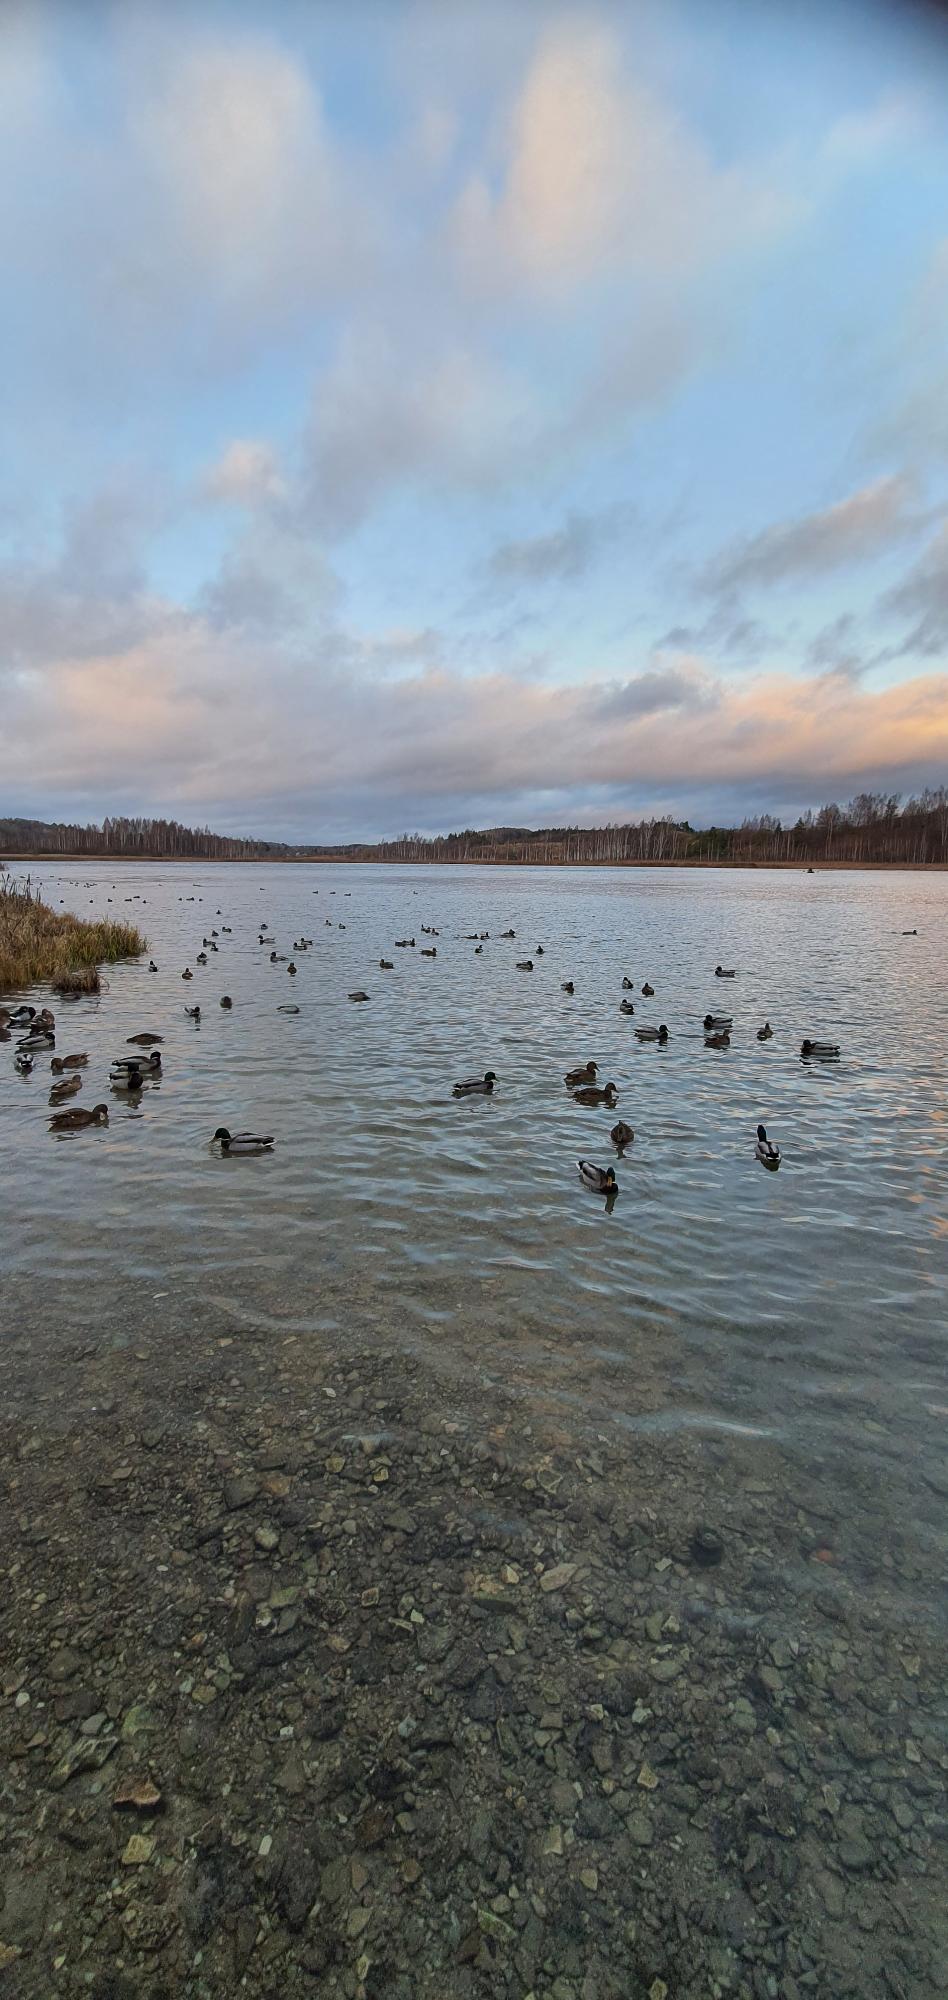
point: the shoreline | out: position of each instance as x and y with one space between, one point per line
368 860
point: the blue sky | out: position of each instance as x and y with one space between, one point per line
421 416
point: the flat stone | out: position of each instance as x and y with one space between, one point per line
64 1664
267 1537
137 1851
25 1901
855 1854
559 1577
640 1830
240 1491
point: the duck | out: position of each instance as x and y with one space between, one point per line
767 1153
628 985
508 934
36 1043
652 1034
45 1018
626 1007
187 973
567 986
21 1015
718 1021
622 1134
429 930
130 1080
824 1049
648 990
719 1041
201 958
720 973
242 1142
404 944
358 996
386 965
278 958
146 1040
226 1000
66 1087
193 1013
538 952
67 1062
288 1008
765 1034
227 929
291 969
910 933
76 1119
583 1073
601 1179
524 965
594 1093
476 1086
150 1064
478 948
23 1062
432 953
152 967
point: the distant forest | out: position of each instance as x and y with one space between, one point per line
873 827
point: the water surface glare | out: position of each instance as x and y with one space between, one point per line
805 1307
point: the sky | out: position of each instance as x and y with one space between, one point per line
419 416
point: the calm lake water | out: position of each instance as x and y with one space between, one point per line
806 1307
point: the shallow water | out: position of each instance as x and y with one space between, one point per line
803 1309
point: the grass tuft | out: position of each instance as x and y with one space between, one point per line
37 943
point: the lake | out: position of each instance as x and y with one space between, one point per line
762 1351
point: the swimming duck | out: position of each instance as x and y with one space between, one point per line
477 948
34 1044
721 1041
45 1018
718 1021
626 1007
538 953
767 1153
187 973
151 1064
432 953
583 1073
226 1000
201 958
291 969
404 943
146 1040
227 928
277 958
287 1008
652 1034
193 1013
648 990
506 934
358 996
22 1014
627 983
720 973
130 1080
67 1062
524 965
825 1049
242 1142
567 986
476 1086
910 933
76 1119
66 1087
601 1179
429 930
593 1093
152 967
23 1062
622 1135
386 965
765 1034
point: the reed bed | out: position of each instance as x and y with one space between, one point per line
37 943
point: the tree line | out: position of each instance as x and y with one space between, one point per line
872 827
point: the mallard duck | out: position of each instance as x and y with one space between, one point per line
152 967
721 1041
386 965
67 1062
45 1019
358 996
720 973
622 1135
187 973
21 1015
628 985
432 953
291 969
36 1044
626 1007
193 1013
583 1073
476 1086
242 1142
652 1034
601 1179
130 1080
765 1033
226 1000
144 1041
827 1050
67 1087
567 986
767 1153
23 1062
151 1063
76 1119
718 1021
524 965
593 1093
648 990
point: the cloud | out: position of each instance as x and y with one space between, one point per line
923 597
560 555
246 474
851 531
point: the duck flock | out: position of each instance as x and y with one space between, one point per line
35 1030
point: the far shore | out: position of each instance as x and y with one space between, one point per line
363 860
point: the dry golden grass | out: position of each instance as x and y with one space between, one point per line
37 943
